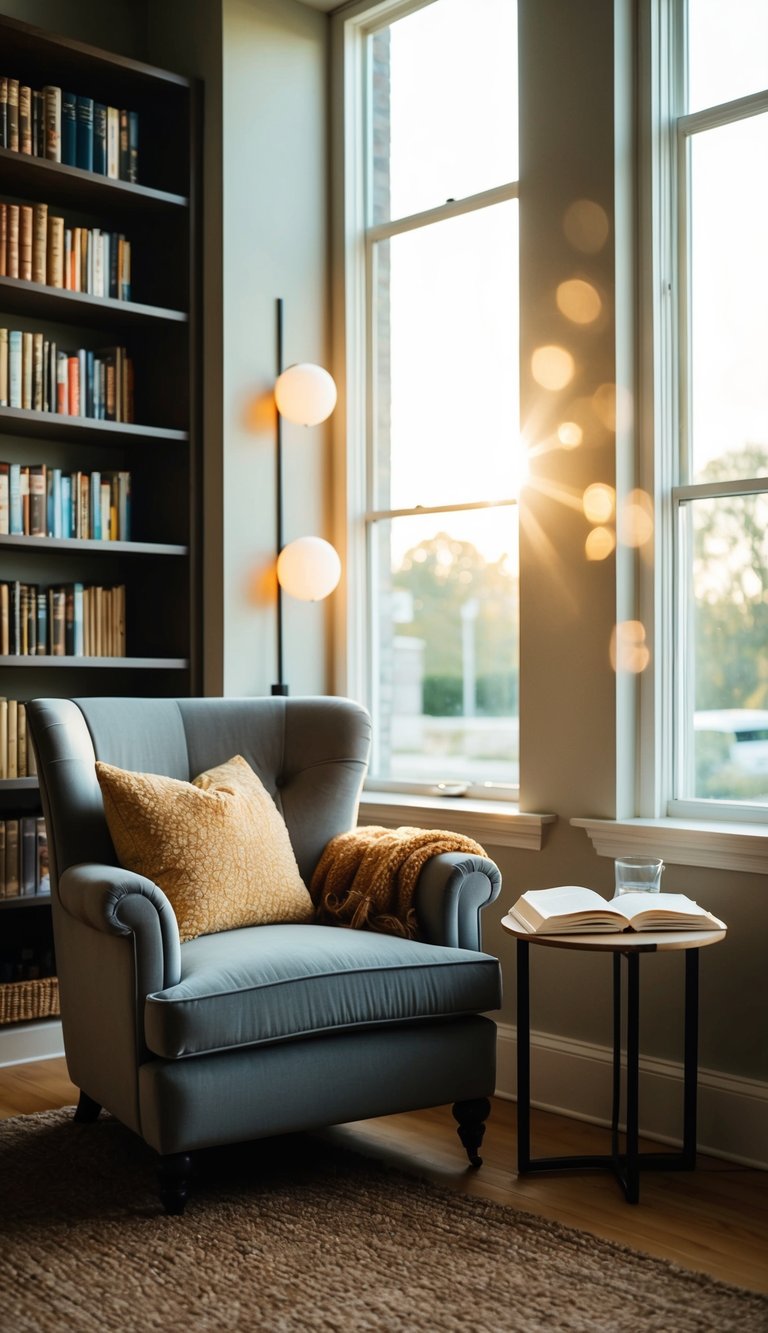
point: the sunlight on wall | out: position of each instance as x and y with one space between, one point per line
600 543
552 367
586 226
579 301
599 502
628 650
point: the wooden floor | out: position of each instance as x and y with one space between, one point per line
713 1220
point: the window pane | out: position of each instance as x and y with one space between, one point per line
728 50
446 362
445 647
444 105
729 299
728 576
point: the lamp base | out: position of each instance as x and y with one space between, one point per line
280 689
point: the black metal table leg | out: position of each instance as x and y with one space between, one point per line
691 1058
632 1181
625 1165
523 1059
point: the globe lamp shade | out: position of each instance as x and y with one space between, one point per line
308 568
305 394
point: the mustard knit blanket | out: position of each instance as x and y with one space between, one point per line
366 879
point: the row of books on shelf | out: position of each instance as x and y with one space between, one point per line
67 127
37 246
24 857
67 620
36 375
17 757
41 501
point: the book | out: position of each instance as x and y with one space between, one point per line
69 129
572 909
26 219
43 884
3 111
52 106
28 854
40 243
25 118
100 138
13 114
12 241
3 238
11 857
85 133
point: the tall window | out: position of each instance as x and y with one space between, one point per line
720 499
435 243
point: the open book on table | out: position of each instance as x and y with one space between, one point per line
572 909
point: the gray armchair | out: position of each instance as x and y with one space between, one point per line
266 1029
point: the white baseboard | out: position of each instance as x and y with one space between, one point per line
574 1079
20 1043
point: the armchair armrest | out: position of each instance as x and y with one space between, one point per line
119 902
451 891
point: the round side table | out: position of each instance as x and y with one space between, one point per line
628 945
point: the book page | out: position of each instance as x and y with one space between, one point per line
632 904
567 898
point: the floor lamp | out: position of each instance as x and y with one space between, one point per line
309 567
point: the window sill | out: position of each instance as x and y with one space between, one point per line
495 823
683 842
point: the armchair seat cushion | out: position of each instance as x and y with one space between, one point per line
273 983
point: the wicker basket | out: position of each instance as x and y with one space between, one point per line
22 1000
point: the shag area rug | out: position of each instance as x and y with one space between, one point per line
296 1234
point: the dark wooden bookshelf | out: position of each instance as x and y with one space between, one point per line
159 215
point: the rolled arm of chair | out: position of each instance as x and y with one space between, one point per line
451 892
119 902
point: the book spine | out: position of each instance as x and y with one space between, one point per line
14 367
113 143
26 219
13 115
4 368
3 238
23 746
52 104
43 879
123 151
12 243
40 243
38 123
100 138
3 111
55 264
37 372
85 133
133 147
26 369
5 619
14 500
62 394
69 129
13 739
11 858
28 867
4 500
37 500
42 623
3 738
25 119
24 494
73 386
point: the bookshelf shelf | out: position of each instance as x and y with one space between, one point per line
74 188
26 900
158 216
19 297
31 663
81 546
83 430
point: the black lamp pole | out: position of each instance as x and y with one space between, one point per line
280 687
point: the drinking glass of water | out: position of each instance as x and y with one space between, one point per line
638 874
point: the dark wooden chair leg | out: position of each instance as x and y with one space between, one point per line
87 1109
174 1172
471 1118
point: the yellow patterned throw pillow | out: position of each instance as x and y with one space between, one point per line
217 847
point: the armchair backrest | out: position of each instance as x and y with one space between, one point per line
310 753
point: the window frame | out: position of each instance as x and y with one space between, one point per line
355 239
665 374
